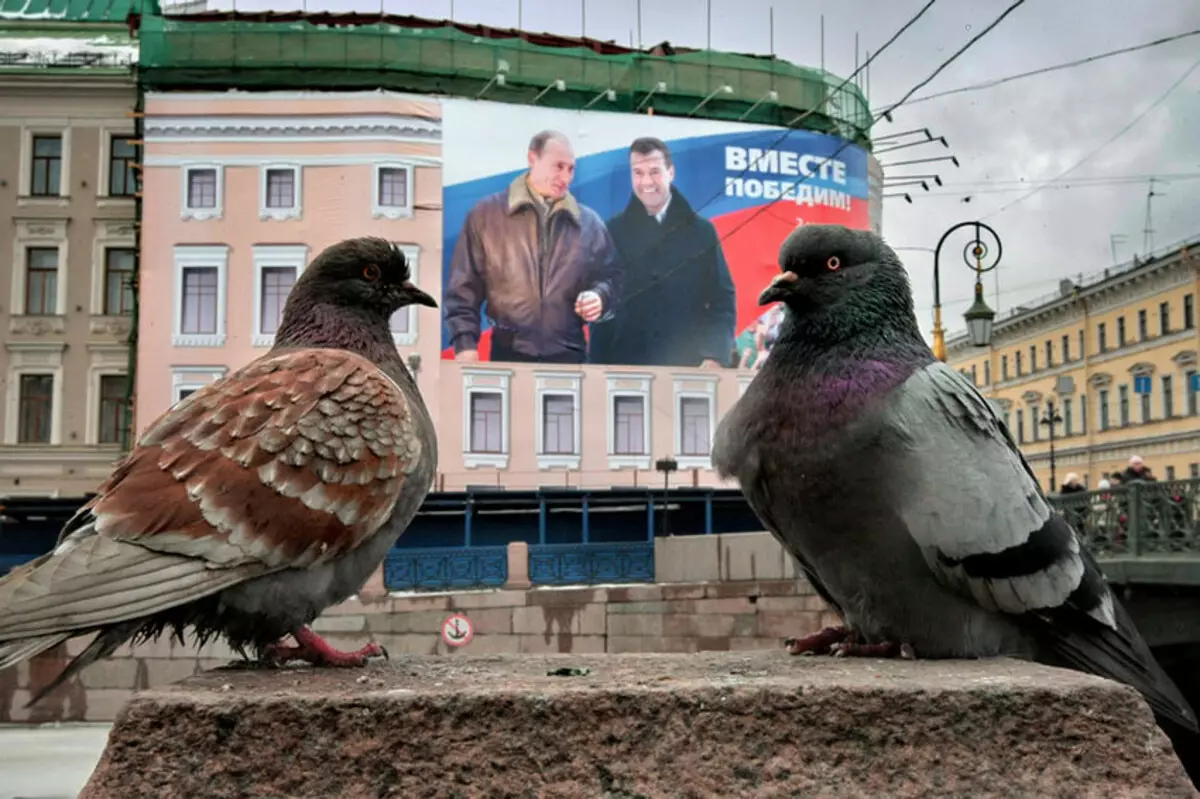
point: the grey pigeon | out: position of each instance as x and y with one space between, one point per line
257 502
901 494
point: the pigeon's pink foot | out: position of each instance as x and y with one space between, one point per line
316 650
885 649
818 643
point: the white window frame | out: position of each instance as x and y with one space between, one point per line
201 214
640 384
23 241
26 174
200 255
390 211
487 381
91 435
193 378
273 255
281 214
34 358
412 256
552 384
108 132
744 382
106 240
684 387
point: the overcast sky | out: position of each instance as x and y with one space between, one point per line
1026 131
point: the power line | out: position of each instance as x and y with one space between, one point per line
1105 144
990 84
959 190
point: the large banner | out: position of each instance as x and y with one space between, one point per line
596 237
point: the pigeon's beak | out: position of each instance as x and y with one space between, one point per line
779 289
414 296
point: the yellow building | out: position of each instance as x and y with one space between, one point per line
1116 358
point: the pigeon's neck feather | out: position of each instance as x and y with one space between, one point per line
359 330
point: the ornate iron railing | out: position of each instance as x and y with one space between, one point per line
409 569
1138 519
584 564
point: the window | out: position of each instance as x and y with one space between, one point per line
1123 404
280 193
1066 348
118 281
122 175
1082 344
974 379
111 427
1168 395
1020 426
1103 402
1170 472
1102 337
1144 401
1003 367
184 393
199 300
202 192
200 280
45 175
404 321
41 281
1017 360
987 373
276 268
629 431
1193 396
187 380
1035 422
1068 416
1049 354
558 424
487 418
694 426
392 191
35 409
1194 470
1008 420
1189 311
1120 331
1164 318
1033 358
1143 326
1083 414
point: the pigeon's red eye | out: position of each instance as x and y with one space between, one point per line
371 272
833 264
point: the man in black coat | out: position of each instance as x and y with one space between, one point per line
678 304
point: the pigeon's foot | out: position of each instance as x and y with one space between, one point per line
818 643
884 649
316 650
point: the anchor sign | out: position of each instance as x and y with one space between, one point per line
457 630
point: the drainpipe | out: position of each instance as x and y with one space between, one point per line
1093 419
139 107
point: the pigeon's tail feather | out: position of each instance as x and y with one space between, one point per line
1120 655
101 646
14 652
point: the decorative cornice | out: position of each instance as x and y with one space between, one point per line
1141 369
376 127
1184 358
1031 397
1100 380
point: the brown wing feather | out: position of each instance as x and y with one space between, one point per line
295 458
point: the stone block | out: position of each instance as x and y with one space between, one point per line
783 624
340 624
640 593
650 606
414 603
709 724
698 624
488 599
567 644
555 597
114 673
791 604
164 672
105 704
640 624
415 621
560 619
733 604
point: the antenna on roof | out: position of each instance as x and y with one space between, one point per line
771 28
639 21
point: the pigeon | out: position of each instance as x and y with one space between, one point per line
258 501
901 494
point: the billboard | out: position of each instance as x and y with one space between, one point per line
597 237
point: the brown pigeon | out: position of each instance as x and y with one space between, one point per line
257 502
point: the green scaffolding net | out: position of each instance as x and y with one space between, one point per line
180 53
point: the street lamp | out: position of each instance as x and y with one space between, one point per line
979 316
666 466
1051 418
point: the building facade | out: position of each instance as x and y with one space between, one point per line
1115 357
67 197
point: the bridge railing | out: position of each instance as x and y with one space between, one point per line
1138 519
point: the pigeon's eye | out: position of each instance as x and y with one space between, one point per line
371 273
834 263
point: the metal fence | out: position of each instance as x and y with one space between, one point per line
1138 519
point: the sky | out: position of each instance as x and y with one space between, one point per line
1008 139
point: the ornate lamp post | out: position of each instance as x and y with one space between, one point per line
979 316
1050 419
667 466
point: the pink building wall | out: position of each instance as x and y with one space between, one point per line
337 141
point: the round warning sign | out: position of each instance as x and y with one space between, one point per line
457 630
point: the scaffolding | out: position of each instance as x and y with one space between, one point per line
347 52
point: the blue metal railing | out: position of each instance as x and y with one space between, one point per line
410 568
584 564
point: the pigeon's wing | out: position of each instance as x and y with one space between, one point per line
973 505
294 459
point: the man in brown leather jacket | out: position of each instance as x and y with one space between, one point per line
544 265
